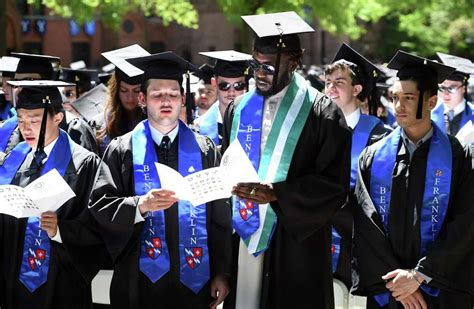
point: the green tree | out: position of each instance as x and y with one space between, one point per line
111 12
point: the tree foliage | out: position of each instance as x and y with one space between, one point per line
111 12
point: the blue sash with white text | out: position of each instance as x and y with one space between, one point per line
36 248
6 131
246 217
435 196
154 257
208 123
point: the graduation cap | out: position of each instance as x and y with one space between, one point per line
205 73
125 71
168 65
426 72
229 63
8 66
464 67
84 79
40 64
365 71
92 102
277 33
39 94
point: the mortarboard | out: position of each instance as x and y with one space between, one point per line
124 71
40 64
92 102
39 94
168 65
8 66
84 79
366 72
205 73
229 63
464 67
426 72
277 33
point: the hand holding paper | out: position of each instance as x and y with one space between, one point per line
213 183
47 193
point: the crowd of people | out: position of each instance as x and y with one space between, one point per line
365 172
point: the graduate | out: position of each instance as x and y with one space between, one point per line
206 94
298 141
166 253
455 110
42 267
40 67
230 76
349 80
7 68
413 231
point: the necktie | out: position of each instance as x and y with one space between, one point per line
449 116
164 147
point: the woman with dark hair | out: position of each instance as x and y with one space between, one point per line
122 112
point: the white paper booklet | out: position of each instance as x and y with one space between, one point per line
212 183
466 134
47 193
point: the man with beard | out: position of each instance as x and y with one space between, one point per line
230 74
298 141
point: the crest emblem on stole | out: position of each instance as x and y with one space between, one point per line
153 247
193 256
36 257
246 209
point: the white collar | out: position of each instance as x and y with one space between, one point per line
458 109
353 118
157 136
47 149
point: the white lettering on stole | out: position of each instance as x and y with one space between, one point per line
37 242
151 229
435 208
383 203
248 140
146 170
192 215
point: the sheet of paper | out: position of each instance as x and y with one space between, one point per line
47 193
212 183
466 134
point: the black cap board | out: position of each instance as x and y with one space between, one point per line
166 65
366 72
92 102
464 67
124 71
229 63
426 72
205 73
79 76
40 64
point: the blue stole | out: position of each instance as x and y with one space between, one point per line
154 258
6 131
7 112
208 123
360 138
246 217
37 248
435 196
437 115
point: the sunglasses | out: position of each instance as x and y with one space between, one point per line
451 90
225 86
255 66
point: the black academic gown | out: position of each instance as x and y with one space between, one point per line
343 221
113 204
297 266
450 260
71 269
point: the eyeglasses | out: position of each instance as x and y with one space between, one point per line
255 65
225 86
451 90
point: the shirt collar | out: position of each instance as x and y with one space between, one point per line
157 136
47 149
410 145
353 118
458 109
